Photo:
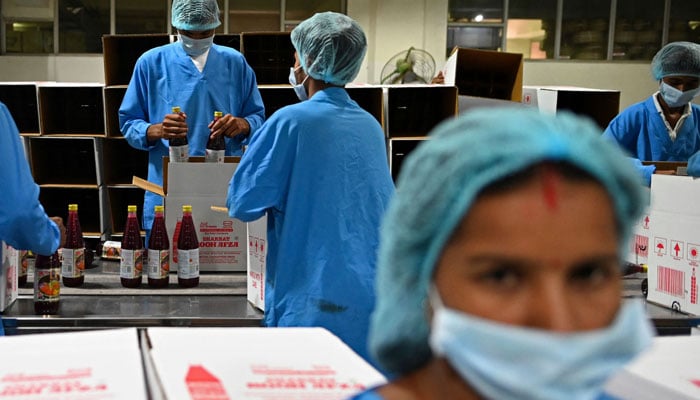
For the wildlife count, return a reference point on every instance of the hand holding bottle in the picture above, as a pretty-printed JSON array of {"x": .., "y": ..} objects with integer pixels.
[
  {"x": 174, "y": 126},
  {"x": 229, "y": 126}
]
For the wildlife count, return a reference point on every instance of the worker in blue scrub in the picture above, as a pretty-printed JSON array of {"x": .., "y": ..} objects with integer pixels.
[
  {"x": 319, "y": 170},
  {"x": 200, "y": 78},
  {"x": 23, "y": 221},
  {"x": 665, "y": 126}
]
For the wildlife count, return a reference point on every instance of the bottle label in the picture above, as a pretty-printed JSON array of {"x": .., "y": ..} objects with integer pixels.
[
  {"x": 73, "y": 264},
  {"x": 131, "y": 264},
  {"x": 188, "y": 263},
  {"x": 158, "y": 264},
  {"x": 179, "y": 153},
  {"x": 214, "y": 156},
  {"x": 23, "y": 262},
  {"x": 47, "y": 284}
]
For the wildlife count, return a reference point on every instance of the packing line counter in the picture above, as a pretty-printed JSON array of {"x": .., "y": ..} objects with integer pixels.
[{"x": 101, "y": 302}]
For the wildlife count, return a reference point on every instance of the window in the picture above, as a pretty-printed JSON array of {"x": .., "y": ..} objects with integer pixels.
[
  {"x": 81, "y": 24},
  {"x": 584, "y": 29},
  {"x": 29, "y": 37},
  {"x": 638, "y": 29},
  {"x": 684, "y": 23},
  {"x": 476, "y": 24},
  {"x": 141, "y": 16},
  {"x": 531, "y": 28},
  {"x": 299, "y": 10},
  {"x": 254, "y": 16}
]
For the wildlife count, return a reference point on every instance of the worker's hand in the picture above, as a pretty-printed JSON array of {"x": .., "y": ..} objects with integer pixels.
[
  {"x": 62, "y": 228},
  {"x": 173, "y": 126},
  {"x": 229, "y": 126},
  {"x": 439, "y": 79}
]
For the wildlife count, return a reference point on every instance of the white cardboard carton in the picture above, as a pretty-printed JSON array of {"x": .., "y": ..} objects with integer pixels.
[
  {"x": 668, "y": 370},
  {"x": 256, "y": 364},
  {"x": 103, "y": 364},
  {"x": 257, "y": 256},
  {"x": 11, "y": 260},
  {"x": 222, "y": 239},
  {"x": 600, "y": 105},
  {"x": 674, "y": 257}
]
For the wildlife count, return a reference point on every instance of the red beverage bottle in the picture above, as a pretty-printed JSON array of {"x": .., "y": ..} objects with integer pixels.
[
  {"x": 131, "y": 262},
  {"x": 47, "y": 284},
  {"x": 216, "y": 148},
  {"x": 178, "y": 148},
  {"x": 158, "y": 252},
  {"x": 187, "y": 251},
  {"x": 23, "y": 267},
  {"x": 73, "y": 253}
]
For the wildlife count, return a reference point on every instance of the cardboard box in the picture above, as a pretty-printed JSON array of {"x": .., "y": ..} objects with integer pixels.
[
  {"x": 11, "y": 260},
  {"x": 601, "y": 105},
  {"x": 257, "y": 257},
  {"x": 668, "y": 370},
  {"x": 100, "y": 364},
  {"x": 223, "y": 241},
  {"x": 485, "y": 73},
  {"x": 255, "y": 364},
  {"x": 674, "y": 257}
]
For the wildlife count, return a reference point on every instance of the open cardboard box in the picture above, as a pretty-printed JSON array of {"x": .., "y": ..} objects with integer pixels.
[
  {"x": 11, "y": 260},
  {"x": 485, "y": 73},
  {"x": 601, "y": 105},
  {"x": 223, "y": 241}
]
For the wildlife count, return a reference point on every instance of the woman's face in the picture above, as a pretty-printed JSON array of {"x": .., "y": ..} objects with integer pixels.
[{"x": 544, "y": 255}]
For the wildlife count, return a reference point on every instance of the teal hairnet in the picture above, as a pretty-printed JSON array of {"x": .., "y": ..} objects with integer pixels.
[
  {"x": 331, "y": 47},
  {"x": 438, "y": 184},
  {"x": 677, "y": 59},
  {"x": 195, "y": 15}
]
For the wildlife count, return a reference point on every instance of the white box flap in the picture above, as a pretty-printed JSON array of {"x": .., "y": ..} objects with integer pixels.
[{"x": 199, "y": 178}]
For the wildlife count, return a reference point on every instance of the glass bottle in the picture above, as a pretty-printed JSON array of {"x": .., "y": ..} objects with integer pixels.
[
  {"x": 178, "y": 147},
  {"x": 131, "y": 262},
  {"x": 188, "y": 251},
  {"x": 216, "y": 148},
  {"x": 47, "y": 284},
  {"x": 73, "y": 253},
  {"x": 23, "y": 267},
  {"x": 158, "y": 252}
]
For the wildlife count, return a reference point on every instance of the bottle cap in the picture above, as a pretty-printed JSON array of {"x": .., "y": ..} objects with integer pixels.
[
  {"x": 176, "y": 109},
  {"x": 218, "y": 114},
  {"x": 187, "y": 208},
  {"x": 72, "y": 207},
  {"x": 158, "y": 208},
  {"x": 131, "y": 208}
]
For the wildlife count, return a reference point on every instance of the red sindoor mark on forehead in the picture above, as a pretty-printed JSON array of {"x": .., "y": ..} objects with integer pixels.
[{"x": 550, "y": 182}]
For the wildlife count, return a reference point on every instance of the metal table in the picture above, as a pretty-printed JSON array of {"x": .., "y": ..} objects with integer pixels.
[{"x": 101, "y": 303}]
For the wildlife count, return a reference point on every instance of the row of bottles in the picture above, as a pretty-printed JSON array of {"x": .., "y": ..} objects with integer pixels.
[
  {"x": 179, "y": 147},
  {"x": 185, "y": 244},
  {"x": 48, "y": 270}
]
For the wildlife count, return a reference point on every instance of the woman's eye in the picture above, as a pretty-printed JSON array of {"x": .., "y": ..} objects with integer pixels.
[
  {"x": 502, "y": 276},
  {"x": 592, "y": 274}
]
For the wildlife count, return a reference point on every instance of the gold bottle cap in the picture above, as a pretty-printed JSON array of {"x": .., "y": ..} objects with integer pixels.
[
  {"x": 176, "y": 109},
  {"x": 72, "y": 207},
  {"x": 218, "y": 114},
  {"x": 187, "y": 208},
  {"x": 131, "y": 208},
  {"x": 158, "y": 208}
]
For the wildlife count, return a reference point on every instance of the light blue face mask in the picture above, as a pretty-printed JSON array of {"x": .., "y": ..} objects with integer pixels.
[
  {"x": 299, "y": 89},
  {"x": 195, "y": 47},
  {"x": 508, "y": 362},
  {"x": 676, "y": 98}
]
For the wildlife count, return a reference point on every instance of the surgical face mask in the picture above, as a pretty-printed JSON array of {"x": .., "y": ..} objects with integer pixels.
[
  {"x": 676, "y": 98},
  {"x": 195, "y": 47},
  {"x": 299, "y": 89},
  {"x": 508, "y": 362}
]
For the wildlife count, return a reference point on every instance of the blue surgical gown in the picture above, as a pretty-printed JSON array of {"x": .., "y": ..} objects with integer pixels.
[
  {"x": 23, "y": 221},
  {"x": 165, "y": 77},
  {"x": 319, "y": 170},
  {"x": 641, "y": 131}
]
